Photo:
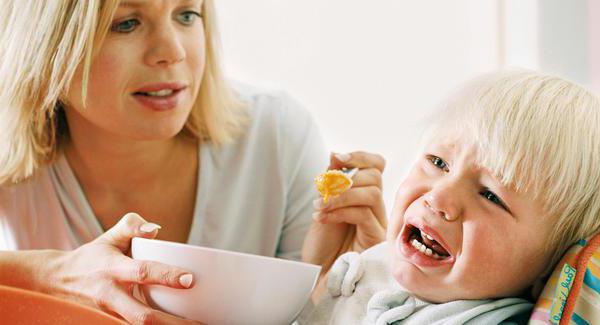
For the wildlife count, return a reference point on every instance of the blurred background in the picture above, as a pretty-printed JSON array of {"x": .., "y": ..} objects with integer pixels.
[{"x": 370, "y": 71}]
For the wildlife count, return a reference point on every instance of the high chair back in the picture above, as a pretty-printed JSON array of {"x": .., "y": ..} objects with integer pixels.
[{"x": 572, "y": 293}]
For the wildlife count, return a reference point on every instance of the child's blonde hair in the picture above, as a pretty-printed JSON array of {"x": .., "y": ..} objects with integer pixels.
[
  {"x": 538, "y": 134},
  {"x": 44, "y": 42}
]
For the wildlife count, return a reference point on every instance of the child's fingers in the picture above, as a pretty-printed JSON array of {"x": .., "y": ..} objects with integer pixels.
[
  {"x": 367, "y": 177},
  {"x": 358, "y": 159},
  {"x": 366, "y": 196}
]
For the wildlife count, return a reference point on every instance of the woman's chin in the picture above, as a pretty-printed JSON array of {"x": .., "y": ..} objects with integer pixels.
[{"x": 157, "y": 133}]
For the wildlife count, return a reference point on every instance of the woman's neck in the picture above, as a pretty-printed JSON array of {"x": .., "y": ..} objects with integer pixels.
[{"x": 124, "y": 165}]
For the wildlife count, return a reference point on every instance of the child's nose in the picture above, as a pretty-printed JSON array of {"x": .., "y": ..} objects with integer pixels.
[{"x": 441, "y": 206}]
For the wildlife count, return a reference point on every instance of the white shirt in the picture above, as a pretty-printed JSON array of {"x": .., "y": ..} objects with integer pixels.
[{"x": 254, "y": 195}]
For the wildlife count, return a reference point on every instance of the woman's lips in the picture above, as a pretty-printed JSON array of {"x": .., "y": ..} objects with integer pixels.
[{"x": 160, "y": 103}]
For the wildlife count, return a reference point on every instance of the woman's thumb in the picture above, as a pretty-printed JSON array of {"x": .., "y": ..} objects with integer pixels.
[{"x": 131, "y": 225}]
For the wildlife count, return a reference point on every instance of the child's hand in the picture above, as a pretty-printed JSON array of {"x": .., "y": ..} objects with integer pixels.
[{"x": 352, "y": 221}]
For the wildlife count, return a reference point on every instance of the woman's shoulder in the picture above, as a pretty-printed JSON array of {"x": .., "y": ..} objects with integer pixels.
[
  {"x": 277, "y": 118},
  {"x": 271, "y": 104},
  {"x": 18, "y": 199},
  {"x": 35, "y": 184}
]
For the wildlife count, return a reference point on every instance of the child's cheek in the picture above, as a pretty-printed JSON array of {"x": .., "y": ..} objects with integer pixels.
[
  {"x": 396, "y": 218},
  {"x": 410, "y": 190}
]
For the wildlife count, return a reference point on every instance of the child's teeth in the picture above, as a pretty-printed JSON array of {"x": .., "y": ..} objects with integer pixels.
[
  {"x": 416, "y": 243},
  {"x": 426, "y": 235},
  {"x": 424, "y": 249}
]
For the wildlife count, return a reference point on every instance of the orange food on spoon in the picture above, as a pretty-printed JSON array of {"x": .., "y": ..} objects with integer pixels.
[{"x": 334, "y": 182}]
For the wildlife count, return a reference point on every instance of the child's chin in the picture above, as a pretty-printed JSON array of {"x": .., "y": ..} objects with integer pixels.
[
  {"x": 406, "y": 274},
  {"x": 417, "y": 283}
]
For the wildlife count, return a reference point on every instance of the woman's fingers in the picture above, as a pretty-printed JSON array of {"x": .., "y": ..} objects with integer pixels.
[
  {"x": 127, "y": 270},
  {"x": 358, "y": 159},
  {"x": 371, "y": 230},
  {"x": 362, "y": 217},
  {"x": 135, "y": 312},
  {"x": 367, "y": 177},
  {"x": 367, "y": 196},
  {"x": 131, "y": 225}
]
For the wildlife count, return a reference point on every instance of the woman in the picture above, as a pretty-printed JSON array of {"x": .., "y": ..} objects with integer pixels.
[{"x": 110, "y": 107}]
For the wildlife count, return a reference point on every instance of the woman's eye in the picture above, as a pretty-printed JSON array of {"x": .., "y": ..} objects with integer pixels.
[
  {"x": 490, "y": 196},
  {"x": 439, "y": 163},
  {"x": 125, "y": 26},
  {"x": 188, "y": 17}
]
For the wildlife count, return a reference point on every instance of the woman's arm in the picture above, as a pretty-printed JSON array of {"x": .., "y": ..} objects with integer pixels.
[
  {"x": 303, "y": 155},
  {"x": 98, "y": 273},
  {"x": 24, "y": 269}
]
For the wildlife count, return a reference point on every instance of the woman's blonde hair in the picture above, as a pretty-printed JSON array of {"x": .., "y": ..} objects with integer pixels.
[
  {"x": 42, "y": 43},
  {"x": 538, "y": 134}
]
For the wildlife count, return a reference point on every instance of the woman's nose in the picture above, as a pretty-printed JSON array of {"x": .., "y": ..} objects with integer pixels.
[
  {"x": 443, "y": 203},
  {"x": 165, "y": 48}
]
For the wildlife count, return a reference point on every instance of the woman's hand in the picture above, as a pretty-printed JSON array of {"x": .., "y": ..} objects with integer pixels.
[
  {"x": 353, "y": 221},
  {"x": 101, "y": 275}
]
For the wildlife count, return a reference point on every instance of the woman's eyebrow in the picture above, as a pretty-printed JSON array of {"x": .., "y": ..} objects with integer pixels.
[
  {"x": 139, "y": 3},
  {"x": 131, "y": 4}
]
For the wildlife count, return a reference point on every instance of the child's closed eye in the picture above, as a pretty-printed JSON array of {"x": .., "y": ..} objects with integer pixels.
[{"x": 492, "y": 197}]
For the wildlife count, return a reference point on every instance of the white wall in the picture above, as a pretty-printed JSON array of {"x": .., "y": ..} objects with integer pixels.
[
  {"x": 555, "y": 36},
  {"x": 367, "y": 70}
]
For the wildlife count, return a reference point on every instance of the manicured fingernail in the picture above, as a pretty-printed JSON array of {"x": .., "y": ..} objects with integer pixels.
[
  {"x": 343, "y": 157},
  {"x": 149, "y": 227},
  {"x": 186, "y": 280}
]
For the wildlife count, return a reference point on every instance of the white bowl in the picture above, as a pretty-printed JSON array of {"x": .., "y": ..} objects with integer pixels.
[{"x": 230, "y": 287}]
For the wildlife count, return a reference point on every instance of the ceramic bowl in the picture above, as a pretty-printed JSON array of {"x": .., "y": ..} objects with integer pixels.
[{"x": 230, "y": 287}]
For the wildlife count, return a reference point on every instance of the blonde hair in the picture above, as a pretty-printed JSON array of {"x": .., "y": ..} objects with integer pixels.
[
  {"x": 538, "y": 134},
  {"x": 44, "y": 42}
]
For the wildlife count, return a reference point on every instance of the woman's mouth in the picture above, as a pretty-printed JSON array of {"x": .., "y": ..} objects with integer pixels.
[
  {"x": 422, "y": 246},
  {"x": 160, "y": 93},
  {"x": 160, "y": 97}
]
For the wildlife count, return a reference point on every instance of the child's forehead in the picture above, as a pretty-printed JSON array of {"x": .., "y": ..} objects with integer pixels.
[
  {"x": 450, "y": 139},
  {"x": 453, "y": 146}
]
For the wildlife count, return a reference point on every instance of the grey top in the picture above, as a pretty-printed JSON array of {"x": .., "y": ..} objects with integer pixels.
[
  {"x": 254, "y": 196},
  {"x": 361, "y": 290}
]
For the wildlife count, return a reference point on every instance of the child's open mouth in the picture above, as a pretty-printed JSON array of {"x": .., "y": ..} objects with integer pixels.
[
  {"x": 426, "y": 244},
  {"x": 423, "y": 246}
]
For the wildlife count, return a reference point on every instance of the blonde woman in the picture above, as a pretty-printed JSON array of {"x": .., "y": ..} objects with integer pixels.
[{"x": 108, "y": 107}]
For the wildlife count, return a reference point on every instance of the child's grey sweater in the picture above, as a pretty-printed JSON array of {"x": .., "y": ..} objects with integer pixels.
[{"x": 361, "y": 290}]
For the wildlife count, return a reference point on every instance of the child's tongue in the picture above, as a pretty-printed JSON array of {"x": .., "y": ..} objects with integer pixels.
[{"x": 434, "y": 245}]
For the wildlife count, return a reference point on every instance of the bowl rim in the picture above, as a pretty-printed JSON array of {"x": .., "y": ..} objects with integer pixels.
[{"x": 222, "y": 251}]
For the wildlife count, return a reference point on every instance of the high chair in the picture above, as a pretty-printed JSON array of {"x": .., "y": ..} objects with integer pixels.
[{"x": 572, "y": 293}]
